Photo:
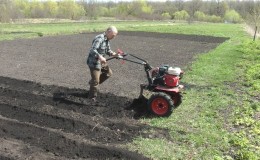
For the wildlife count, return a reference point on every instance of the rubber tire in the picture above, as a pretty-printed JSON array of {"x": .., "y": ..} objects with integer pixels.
[
  {"x": 160, "y": 104},
  {"x": 177, "y": 99}
]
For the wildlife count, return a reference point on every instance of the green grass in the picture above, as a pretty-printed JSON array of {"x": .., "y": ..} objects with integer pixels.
[
  {"x": 212, "y": 29},
  {"x": 201, "y": 127},
  {"x": 218, "y": 116},
  {"x": 198, "y": 125},
  {"x": 13, "y": 31}
]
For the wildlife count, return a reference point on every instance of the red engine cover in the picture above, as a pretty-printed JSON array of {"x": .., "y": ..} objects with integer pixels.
[{"x": 171, "y": 80}]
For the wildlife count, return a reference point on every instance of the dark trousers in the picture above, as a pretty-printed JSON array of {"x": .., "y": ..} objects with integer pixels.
[{"x": 98, "y": 76}]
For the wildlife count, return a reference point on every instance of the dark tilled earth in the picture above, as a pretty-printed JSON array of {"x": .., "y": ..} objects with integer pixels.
[{"x": 44, "y": 112}]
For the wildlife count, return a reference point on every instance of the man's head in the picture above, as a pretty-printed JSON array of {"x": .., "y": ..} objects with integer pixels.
[{"x": 111, "y": 32}]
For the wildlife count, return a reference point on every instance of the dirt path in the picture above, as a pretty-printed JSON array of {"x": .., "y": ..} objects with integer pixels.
[{"x": 44, "y": 112}]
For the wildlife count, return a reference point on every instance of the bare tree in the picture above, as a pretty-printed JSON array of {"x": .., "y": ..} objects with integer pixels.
[
  {"x": 6, "y": 8},
  {"x": 222, "y": 7},
  {"x": 192, "y": 7},
  {"x": 179, "y": 5},
  {"x": 253, "y": 17},
  {"x": 91, "y": 8}
]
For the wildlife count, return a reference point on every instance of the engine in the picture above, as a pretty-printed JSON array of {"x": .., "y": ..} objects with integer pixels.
[{"x": 166, "y": 76}]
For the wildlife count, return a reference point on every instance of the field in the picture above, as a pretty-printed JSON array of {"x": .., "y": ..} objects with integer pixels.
[
  {"x": 48, "y": 113},
  {"x": 45, "y": 114}
]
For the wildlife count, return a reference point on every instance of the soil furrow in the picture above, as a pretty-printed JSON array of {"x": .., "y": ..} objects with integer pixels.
[
  {"x": 31, "y": 110},
  {"x": 37, "y": 101},
  {"x": 100, "y": 131},
  {"x": 17, "y": 150},
  {"x": 6, "y": 158},
  {"x": 68, "y": 99},
  {"x": 59, "y": 144}
]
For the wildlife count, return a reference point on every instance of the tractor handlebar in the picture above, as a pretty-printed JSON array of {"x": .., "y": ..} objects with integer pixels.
[
  {"x": 117, "y": 57},
  {"x": 147, "y": 67},
  {"x": 122, "y": 55}
]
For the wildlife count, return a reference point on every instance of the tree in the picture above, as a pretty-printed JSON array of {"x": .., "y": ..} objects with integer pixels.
[
  {"x": 232, "y": 16},
  {"x": 139, "y": 9},
  {"x": 36, "y": 9},
  {"x": 145, "y": 8},
  {"x": 161, "y": 8},
  {"x": 5, "y": 14},
  {"x": 221, "y": 8},
  {"x": 253, "y": 17},
  {"x": 179, "y": 5},
  {"x": 166, "y": 15},
  {"x": 51, "y": 8},
  {"x": 193, "y": 6},
  {"x": 23, "y": 8},
  {"x": 200, "y": 16},
  {"x": 213, "y": 18},
  {"x": 181, "y": 15},
  {"x": 91, "y": 9},
  {"x": 123, "y": 9},
  {"x": 71, "y": 10}
]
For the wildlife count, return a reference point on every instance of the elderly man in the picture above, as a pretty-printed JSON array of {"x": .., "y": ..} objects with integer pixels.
[{"x": 96, "y": 61}]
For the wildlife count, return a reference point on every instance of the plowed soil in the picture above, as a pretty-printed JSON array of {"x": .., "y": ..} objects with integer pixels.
[{"x": 44, "y": 112}]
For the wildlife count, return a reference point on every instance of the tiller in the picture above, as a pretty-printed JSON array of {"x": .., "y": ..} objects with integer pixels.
[{"x": 163, "y": 91}]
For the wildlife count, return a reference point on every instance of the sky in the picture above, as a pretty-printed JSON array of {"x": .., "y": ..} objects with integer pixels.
[
  {"x": 123, "y": 0},
  {"x": 132, "y": 0}
]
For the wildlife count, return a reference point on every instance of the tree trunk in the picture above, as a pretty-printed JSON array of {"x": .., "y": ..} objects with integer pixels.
[{"x": 255, "y": 32}]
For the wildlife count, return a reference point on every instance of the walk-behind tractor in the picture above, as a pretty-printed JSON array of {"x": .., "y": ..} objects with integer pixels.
[{"x": 163, "y": 91}]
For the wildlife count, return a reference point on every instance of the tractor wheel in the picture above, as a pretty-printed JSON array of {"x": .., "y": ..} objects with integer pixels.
[
  {"x": 160, "y": 104},
  {"x": 177, "y": 99}
]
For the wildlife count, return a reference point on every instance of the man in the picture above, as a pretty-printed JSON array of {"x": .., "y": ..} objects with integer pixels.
[{"x": 96, "y": 61}]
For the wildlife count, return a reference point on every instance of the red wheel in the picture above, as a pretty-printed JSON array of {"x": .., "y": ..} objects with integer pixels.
[{"x": 160, "y": 104}]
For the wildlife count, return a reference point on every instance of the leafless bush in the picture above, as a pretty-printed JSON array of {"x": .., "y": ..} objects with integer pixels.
[{"x": 5, "y": 7}]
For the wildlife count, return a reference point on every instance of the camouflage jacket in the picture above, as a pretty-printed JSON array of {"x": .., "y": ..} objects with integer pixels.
[{"x": 100, "y": 46}]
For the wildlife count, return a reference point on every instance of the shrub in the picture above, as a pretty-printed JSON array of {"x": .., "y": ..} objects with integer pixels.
[
  {"x": 232, "y": 16},
  {"x": 200, "y": 16},
  {"x": 214, "y": 19},
  {"x": 181, "y": 15},
  {"x": 166, "y": 15}
]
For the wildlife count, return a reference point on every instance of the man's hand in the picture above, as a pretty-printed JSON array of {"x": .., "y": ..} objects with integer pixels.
[
  {"x": 114, "y": 54},
  {"x": 117, "y": 55},
  {"x": 102, "y": 59}
]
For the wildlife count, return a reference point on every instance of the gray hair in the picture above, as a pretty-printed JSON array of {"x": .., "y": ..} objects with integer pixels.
[{"x": 112, "y": 28}]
